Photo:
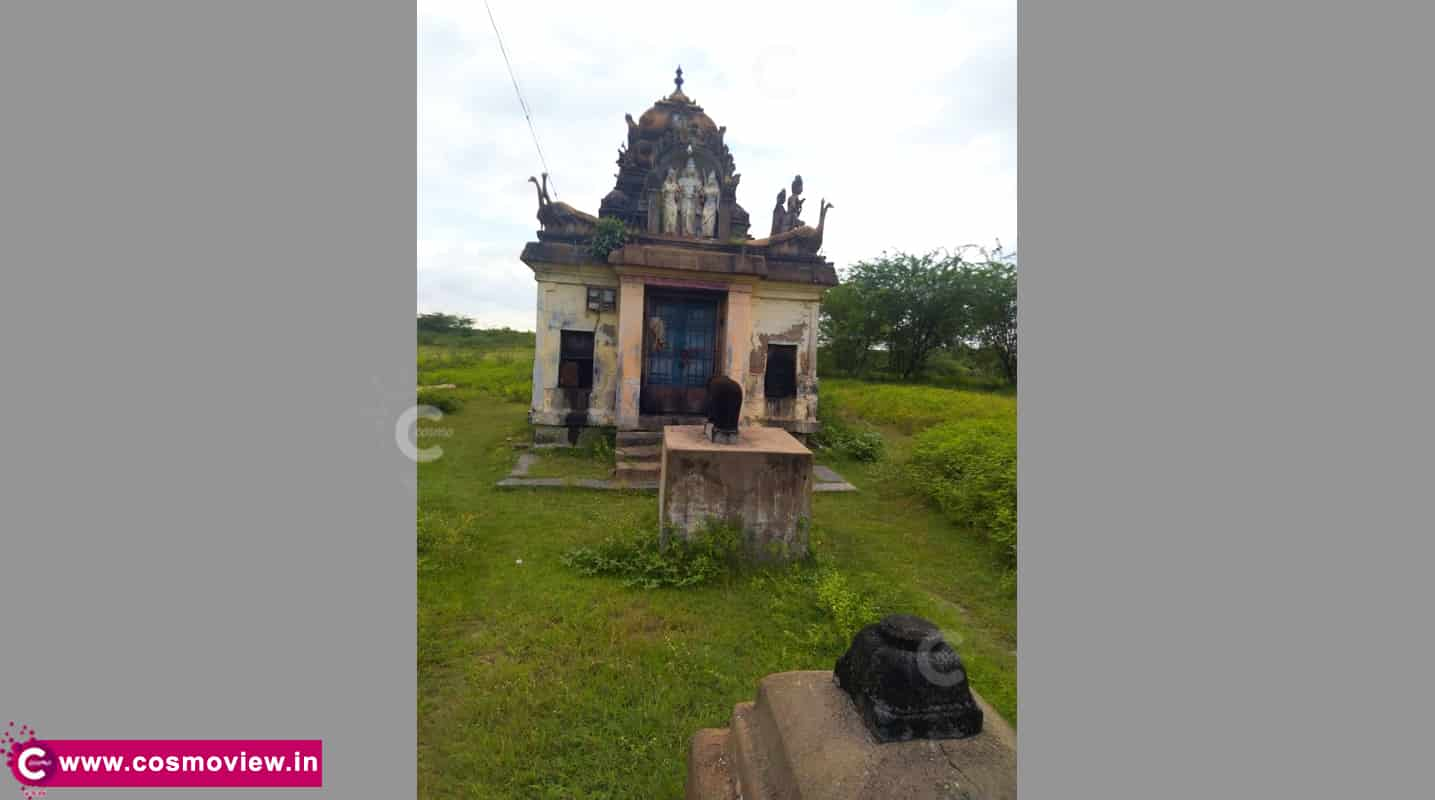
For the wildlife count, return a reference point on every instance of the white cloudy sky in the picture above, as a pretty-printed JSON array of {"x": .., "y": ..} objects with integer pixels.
[{"x": 903, "y": 115}]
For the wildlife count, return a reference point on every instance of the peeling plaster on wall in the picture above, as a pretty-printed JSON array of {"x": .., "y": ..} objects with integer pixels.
[
  {"x": 781, "y": 321},
  {"x": 796, "y": 334},
  {"x": 536, "y": 402},
  {"x": 564, "y": 306}
]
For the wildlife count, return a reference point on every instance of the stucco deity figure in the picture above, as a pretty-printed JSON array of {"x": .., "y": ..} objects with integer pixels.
[
  {"x": 794, "y": 205},
  {"x": 670, "y": 202},
  {"x": 710, "y": 204},
  {"x": 689, "y": 185},
  {"x": 779, "y": 214}
]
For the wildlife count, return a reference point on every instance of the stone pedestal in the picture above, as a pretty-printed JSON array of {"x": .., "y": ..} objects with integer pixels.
[
  {"x": 763, "y": 482},
  {"x": 804, "y": 740}
]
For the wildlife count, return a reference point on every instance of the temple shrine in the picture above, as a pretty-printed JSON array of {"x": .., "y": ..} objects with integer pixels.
[{"x": 632, "y": 338}]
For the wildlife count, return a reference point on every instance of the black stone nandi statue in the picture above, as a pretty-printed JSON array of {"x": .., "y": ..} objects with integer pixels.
[{"x": 724, "y": 409}]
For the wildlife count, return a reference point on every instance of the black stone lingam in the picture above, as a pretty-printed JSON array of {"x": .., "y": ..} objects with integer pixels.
[
  {"x": 724, "y": 409},
  {"x": 907, "y": 682}
]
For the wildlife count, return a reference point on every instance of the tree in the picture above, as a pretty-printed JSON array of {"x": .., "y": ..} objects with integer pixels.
[
  {"x": 849, "y": 328},
  {"x": 437, "y": 322},
  {"x": 923, "y": 302},
  {"x": 994, "y": 313},
  {"x": 913, "y": 306}
]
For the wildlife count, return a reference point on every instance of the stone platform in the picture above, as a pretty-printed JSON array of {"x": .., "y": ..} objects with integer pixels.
[
  {"x": 763, "y": 482},
  {"x": 804, "y": 740},
  {"x": 636, "y": 469}
]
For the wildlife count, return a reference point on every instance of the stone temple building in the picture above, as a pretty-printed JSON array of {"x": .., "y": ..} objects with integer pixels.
[{"x": 632, "y": 339}]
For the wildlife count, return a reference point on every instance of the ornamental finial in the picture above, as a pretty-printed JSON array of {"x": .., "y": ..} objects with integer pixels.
[{"x": 679, "y": 79}]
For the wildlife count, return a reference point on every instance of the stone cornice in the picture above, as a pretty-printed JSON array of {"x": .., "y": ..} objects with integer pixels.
[{"x": 711, "y": 259}]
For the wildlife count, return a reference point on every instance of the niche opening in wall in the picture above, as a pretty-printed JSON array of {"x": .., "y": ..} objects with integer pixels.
[
  {"x": 781, "y": 378},
  {"x": 575, "y": 360}
]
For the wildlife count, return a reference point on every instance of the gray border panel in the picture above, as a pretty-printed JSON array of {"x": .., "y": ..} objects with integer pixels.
[
  {"x": 1225, "y": 400},
  {"x": 206, "y": 313}
]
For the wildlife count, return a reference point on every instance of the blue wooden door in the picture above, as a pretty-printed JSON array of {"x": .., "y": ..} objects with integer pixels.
[{"x": 681, "y": 354}]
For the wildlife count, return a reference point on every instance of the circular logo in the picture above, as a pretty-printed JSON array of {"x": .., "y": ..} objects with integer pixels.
[
  {"x": 408, "y": 421},
  {"x": 34, "y": 763},
  {"x": 938, "y": 662}
]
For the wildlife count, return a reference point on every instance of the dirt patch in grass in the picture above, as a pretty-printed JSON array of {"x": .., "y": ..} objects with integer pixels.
[{"x": 638, "y": 622}]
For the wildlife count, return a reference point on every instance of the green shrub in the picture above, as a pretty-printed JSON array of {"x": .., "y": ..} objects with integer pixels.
[
  {"x": 609, "y": 235},
  {"x": 604, "y": 447},
  {"x": 864, "y": 445},
  {"x": 966, "y": 368},
  {"x": 968, "y": 468},
  {"x": 641, "y": 560},
  {"x": 441, "y": 399},
  {"x": 838, "y": 438},
  {"x": 815, "y": 585},
  {"x": 848, "y": 609}
]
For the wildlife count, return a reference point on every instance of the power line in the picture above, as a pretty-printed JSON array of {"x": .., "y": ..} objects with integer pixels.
[{"x": 521, "y": 102}]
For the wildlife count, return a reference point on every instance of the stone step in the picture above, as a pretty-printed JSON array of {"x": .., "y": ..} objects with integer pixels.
[
  {"x": 639, "y": 438},
  {"x": 709, "y": 767},
  {"x": 656, "y": 422},
  {"x": 804, "y": 738},
  {"x": 768, "y": 732},
  {"x": 635, "y": 471},
  {"x": 640, "y": 453},
  {"x": 747, "y": 757}
]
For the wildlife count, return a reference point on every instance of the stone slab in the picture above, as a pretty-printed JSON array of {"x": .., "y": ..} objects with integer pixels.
[
  {"x": 825, "y": 478},
  {"x": 834, "y": 487},
  {"x": 827, "y": 753},
  {"x": 639, "y": 438},
  {"x": 639, "y": 452},
  {"x": 755, "y": 438},
  {"x": 525, "y": 463},
  {"x": 581, "y": 483},
  {"x": 750, "y": 760},
  {"x": 763, "y": 482}
]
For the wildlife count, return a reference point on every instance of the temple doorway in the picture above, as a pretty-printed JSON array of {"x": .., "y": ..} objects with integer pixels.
[{"x": 680, "y": 349}]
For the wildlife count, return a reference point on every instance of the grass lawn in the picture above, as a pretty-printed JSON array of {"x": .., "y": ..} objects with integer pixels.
[{"x": 537, "y": 682}]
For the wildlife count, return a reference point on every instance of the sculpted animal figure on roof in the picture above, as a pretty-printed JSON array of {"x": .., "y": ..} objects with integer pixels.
[{"x": 558, "y": 217}]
